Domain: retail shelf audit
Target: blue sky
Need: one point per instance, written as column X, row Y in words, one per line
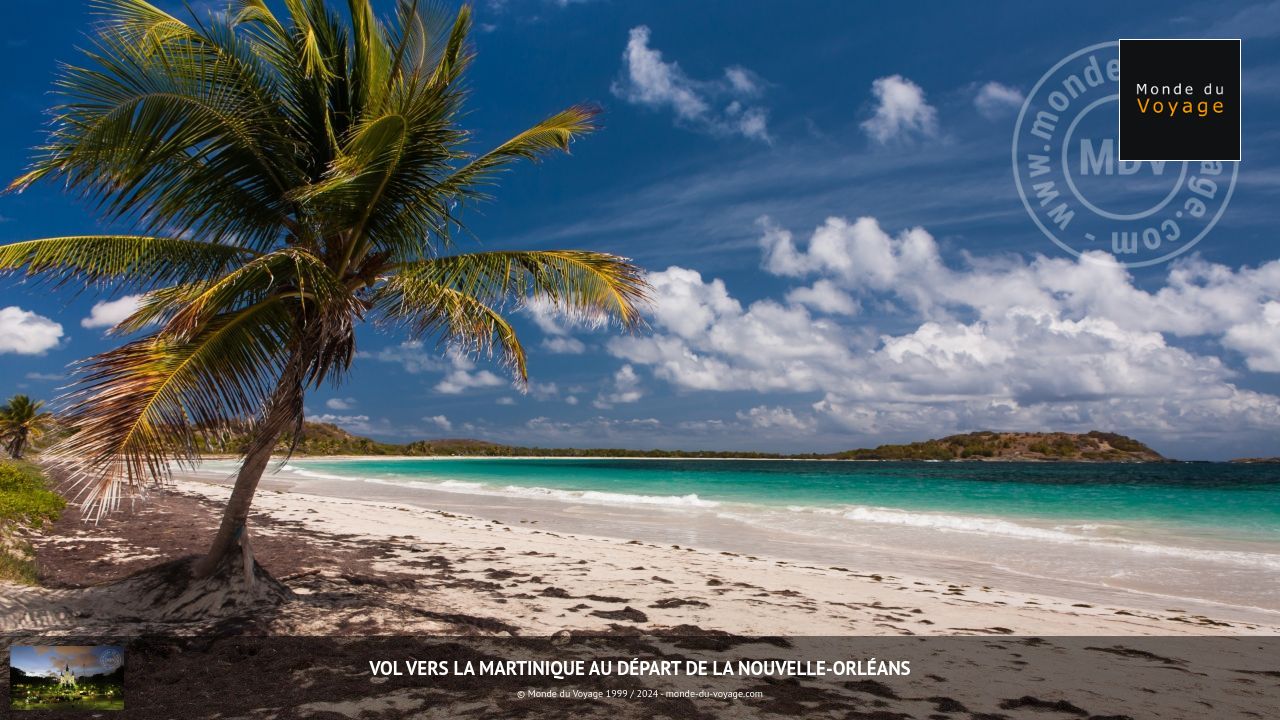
column 52, row 659
column 823, row 196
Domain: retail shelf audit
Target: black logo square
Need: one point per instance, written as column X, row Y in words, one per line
column 1179, row 100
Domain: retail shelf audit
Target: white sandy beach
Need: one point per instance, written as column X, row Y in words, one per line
column 540, row 567
column 548, row 579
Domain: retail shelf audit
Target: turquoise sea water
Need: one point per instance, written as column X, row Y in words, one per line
column 1174, row 533
column 1239, row 502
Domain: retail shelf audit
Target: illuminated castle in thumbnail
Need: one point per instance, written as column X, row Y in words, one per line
column 66, row 678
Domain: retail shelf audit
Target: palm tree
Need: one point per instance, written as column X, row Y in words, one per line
column 21, row 422
column 283, row 181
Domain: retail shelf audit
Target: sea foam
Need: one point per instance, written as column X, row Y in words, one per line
column 977, row 525
column 594, row 497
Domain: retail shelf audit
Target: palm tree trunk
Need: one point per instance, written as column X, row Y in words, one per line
column 19, row 444
column 281, row 412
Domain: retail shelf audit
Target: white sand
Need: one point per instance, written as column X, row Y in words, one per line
column 713, row 590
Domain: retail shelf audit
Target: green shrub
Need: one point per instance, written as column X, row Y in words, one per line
column 25, row 503
column 24, row 499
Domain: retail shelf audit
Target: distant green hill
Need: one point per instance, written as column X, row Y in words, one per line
column 328, row 439
column 989, row 445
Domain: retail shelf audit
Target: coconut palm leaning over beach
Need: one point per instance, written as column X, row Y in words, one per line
column 22, row 421
column 283, row 180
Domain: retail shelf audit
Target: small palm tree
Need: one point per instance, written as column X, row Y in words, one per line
column 284, row 180
column 21, row 423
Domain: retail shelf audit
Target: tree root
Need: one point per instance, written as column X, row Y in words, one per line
column 171, row 593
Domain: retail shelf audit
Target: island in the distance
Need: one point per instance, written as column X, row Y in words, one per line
column 318, row 439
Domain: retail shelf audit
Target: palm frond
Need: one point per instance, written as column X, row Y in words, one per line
column 372, row 59
column 174, row 129
column 157, row 307
column 460, row 297
column 143, row 23
column 143, row 405
column 289, row 272
column 310, row 61
column 455, row 319
column 455, row 56
column 126, row 261
column 579, row 283
column 555, row 133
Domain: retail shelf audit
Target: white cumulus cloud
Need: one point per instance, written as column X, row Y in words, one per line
column 110, row 313
column 464, row 376
column 996, row 342
column 626, row 389
column 23, row 332
column 564, row 346
column 554, row 322
column 824, row 296
column 440, row 421
column 995, row 101
column 901, row 111
column 351, row 423
column 595, row 431
column 412, row 355
column 1258, row 339
column 720, row 106
column 764, row 417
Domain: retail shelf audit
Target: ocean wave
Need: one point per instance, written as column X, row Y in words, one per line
column 594, row 497
column 956, row 523
column 295, row 470
column 460, row 485
column 610, row 498
column 972, row 524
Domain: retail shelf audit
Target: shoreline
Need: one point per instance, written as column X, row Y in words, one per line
column 1056, row 598
column 1155, row 561
column 361, row 560
column 1056, row 604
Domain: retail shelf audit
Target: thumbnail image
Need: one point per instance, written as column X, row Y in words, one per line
column 66, row 677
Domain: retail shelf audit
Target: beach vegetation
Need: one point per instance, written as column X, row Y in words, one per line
column 26, row 506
